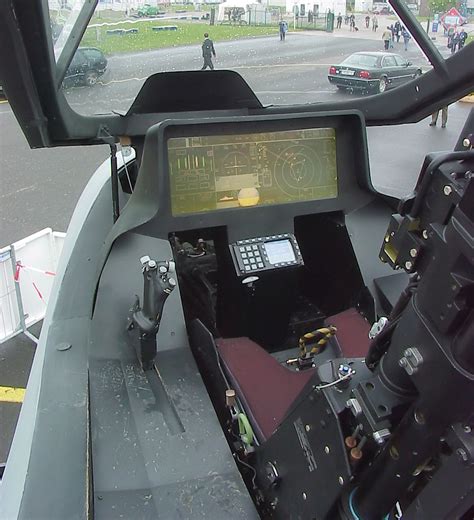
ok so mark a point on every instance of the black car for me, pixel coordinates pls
(372, 72)
(87, 66)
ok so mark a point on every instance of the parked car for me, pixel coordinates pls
(149, 10)
(87, 66)
(372, 72)
(383, 10)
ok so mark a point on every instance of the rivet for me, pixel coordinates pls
(413, 253)
(307, 427)
(447, 190)
(326, 450)
(304, 496)
(408, 265)
(425, 234)
(341, 480)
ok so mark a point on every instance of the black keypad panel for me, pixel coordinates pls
(255, 255)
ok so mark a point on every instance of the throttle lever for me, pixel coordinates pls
(144, 320)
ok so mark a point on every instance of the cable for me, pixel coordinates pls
(351, 507)
(249, 467)
(337, 381)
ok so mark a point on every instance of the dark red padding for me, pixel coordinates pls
(352, 332)
(266, 388)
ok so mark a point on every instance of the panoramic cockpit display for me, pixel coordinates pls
(230, 171)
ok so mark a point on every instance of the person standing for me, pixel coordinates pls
(375, 23)
(367, 21)
(339, 21)
(208, 52)
(398, 30)
(352, 23)
(444, 117)
(283, 28)
(462, 39)
(386, 37)
(454, 42)
(406, 37)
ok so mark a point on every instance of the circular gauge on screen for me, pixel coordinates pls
(235, 163)
(297, 170)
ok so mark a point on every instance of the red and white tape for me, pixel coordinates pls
(20, 266)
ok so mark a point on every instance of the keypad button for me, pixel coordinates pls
(241, 249)
(246, 262)
(252, 260)
(248, 248)
(255, 248)
(260, 265)
(244, 255)
(253, 267)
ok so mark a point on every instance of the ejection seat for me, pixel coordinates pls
(265, 387)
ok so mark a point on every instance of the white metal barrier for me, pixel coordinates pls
(27, 270)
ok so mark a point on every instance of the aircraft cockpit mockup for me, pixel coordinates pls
(257, 219)
(241, 325)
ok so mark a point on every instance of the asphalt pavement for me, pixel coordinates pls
(39, 188)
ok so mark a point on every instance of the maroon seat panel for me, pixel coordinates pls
(266, 387)
(352, 332)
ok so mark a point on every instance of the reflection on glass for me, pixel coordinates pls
(63, 15)
(219, 172)
(139, 40)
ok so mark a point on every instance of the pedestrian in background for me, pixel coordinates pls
(339, 21)
(444, 117)
(398, 30)
(283, 26)
(462, 39)
(406, 37)
(208, 52)
(386, 37)
(454, 42)
(375, 23)
(367, 21)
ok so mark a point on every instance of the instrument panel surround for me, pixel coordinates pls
(151, 202)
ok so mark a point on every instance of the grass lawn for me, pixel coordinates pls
(188, 33)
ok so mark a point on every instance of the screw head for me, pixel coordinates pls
(425, 234)
(408, 266)
(413, 252)
(304, 496)
(307, 427)
(467, 428)
(462, 454)
(327, 450)
(341, 480)
(466, 142)
(447, 190)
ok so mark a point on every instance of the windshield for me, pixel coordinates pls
(288, 52)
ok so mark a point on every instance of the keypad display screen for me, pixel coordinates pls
(280, 251)
(210, 173)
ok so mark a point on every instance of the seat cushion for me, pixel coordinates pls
(352, 332)
(266, 388)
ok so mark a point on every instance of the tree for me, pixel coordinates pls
(440, 6)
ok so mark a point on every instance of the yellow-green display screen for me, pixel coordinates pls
(210, 173)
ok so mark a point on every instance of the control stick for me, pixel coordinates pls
(144, 320)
